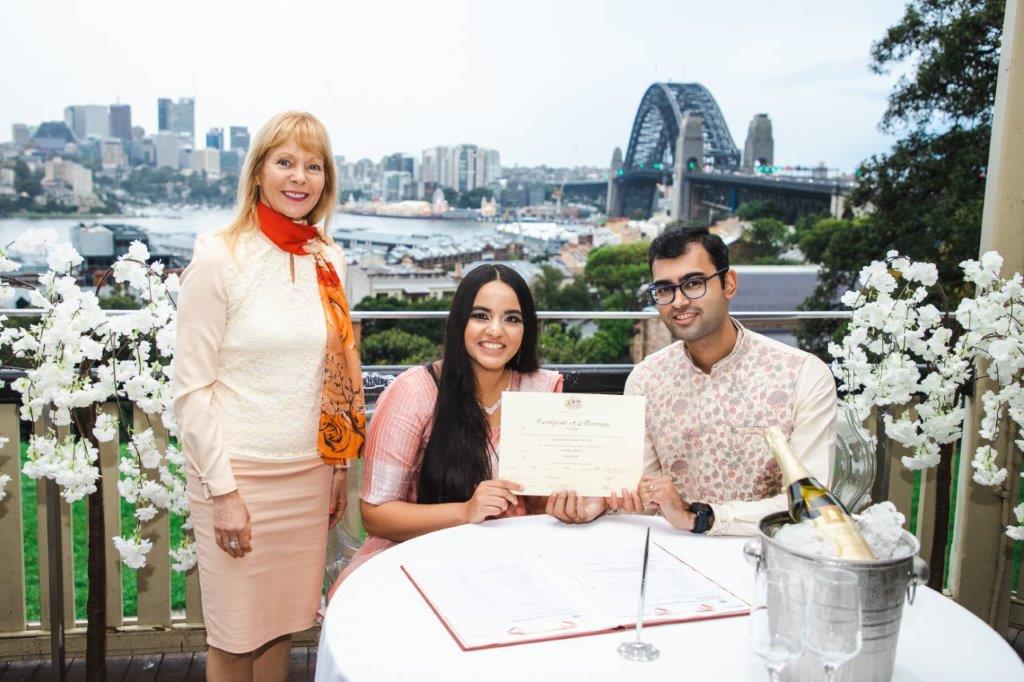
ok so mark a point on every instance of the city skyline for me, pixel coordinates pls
(558, 87)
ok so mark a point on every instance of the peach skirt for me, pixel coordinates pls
(275, 589)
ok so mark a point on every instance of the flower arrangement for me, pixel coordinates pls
(898, 347)
(78, 357)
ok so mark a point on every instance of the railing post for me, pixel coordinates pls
(55, 566)
(982, 552)
(154, 580)
(12, 565)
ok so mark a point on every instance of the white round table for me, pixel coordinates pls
(378, 627)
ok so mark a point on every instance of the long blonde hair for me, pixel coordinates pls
(311, 135)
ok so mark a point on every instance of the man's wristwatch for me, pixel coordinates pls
(704, 517)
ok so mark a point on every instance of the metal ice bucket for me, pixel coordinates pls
(883, 586)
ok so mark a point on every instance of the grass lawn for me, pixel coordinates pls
(79, 526)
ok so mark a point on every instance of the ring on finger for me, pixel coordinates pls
(233, 543)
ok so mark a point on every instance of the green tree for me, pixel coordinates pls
(617, 273)
(926, 194)
(563, 344)
(119, 301)
(558, 343)
(768, 238)
(551, 293)
(27, 182)
(473, 197)
(396, 347)
(433, 330)
(451, 195)
(752, 210)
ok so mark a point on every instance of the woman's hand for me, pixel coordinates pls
(491, 498)
(567, 507)
(232, 527)
(339, 496)
(628, 503)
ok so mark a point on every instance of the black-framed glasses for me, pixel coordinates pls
(691, 287)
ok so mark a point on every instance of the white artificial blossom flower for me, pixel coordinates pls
(78, 357)
(133, 550)
(105, 429)
(899, 348)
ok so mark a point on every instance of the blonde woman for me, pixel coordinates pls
(268, 395)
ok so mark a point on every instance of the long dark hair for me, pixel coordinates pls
(456, 459)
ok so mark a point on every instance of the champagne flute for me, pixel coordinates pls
(777, 618)
(833, 618)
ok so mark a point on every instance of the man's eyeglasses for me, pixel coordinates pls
(692, 288)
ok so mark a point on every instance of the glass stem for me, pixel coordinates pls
(775, 672)
(830, 672)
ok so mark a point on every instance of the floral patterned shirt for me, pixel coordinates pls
(705, 430)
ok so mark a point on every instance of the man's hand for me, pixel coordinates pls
(659, 492)
(567, 507)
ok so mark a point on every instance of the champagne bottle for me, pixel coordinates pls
(809, 499)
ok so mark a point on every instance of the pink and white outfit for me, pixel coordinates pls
(399, 431)
(705, 430)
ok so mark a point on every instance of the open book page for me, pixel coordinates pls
(506, 600)
(554, 593)
(675, 590)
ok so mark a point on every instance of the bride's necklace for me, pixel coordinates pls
(491, 409)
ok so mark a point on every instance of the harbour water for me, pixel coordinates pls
(197, 221)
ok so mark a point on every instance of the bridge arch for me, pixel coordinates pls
(650, 156)
(657, 124)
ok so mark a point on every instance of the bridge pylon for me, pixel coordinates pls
(689, 160)
(613, 207)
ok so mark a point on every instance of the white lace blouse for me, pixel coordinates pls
(248, 369)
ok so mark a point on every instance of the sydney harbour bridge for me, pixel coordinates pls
(680, 141)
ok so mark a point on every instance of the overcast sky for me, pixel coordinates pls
(554, 82)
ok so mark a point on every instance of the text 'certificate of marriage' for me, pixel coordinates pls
(590, 443)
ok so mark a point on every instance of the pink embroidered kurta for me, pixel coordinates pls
(399, 431)
(705, 430)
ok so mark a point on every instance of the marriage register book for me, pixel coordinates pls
(557, 593)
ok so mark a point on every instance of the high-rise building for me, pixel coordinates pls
(164, 113)
(215, 138)
(428, 165)
(88, 120)
(78, 178)
(240, 138)
(169, 147)
(52, 136)
(206, 161)
(112, 154)
(185, 118)
(396, 185)
(491, 166)
(121, 122)
(178, 117)
(21, 134)
(462, 167)
(230, 162)
(399, 162)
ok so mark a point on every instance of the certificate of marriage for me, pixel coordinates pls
(590, 443)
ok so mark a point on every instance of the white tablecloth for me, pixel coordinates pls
(379, 628)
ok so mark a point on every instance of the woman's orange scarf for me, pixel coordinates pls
(342, 429)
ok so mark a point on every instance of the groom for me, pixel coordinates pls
(712, 393)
